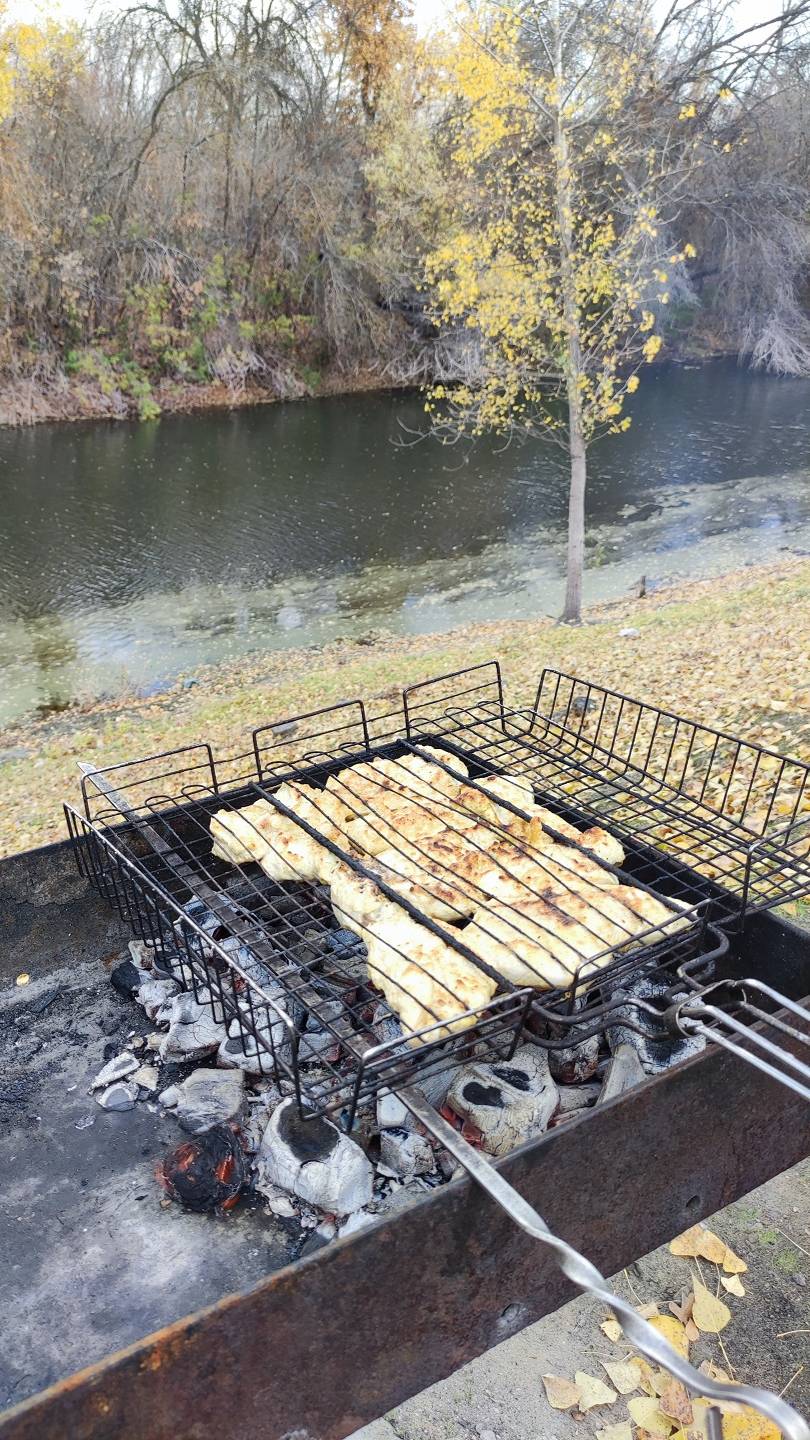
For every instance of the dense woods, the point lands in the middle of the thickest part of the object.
(234, 196)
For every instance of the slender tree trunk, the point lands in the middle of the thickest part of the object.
(572, 612)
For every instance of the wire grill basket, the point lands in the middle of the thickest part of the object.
(269, 957)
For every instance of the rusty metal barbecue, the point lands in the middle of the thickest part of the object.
(700, 815)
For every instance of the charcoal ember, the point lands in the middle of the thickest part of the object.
(315, 1161)
(574, 1062)
(193, 1032)
(503, 1104)
(127, 977)
(118, 1068)
(261, 1039)
(624, 1072)
(393, 1114)
(205, 920)
(319, 1039)
(658, 1048)
(251, 966)
(154, 995)
(406, 1153)
(210, 1097)
(169, 965)
(207, 1172)
(577, 1097)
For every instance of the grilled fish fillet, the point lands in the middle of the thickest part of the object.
(424, 980)
(520, 792)
(240, 836)
(541, 946)
(261, 833)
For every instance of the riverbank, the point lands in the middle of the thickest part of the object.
(57, 397)
(63, 398)
(731, 651)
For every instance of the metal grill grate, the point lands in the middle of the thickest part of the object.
(269, 958)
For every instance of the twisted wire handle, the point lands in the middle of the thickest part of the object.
(586, 1276)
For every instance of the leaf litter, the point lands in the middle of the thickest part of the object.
(666, 1411)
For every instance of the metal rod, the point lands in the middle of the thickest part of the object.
(586, 1276)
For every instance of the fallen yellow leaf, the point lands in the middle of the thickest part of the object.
(622, 1431)
(23, 978)
(715, 1372)
(733, 1284)
(561, 1394)
(673, 1331)
(732, 1264)
(624, 1374)
(709, 1314)
(593, 1391)
(697, 1240)
(612, 1329)
(675, 1403)
(749, 1426)
(645, 1412)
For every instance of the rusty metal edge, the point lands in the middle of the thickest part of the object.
(328, 1344)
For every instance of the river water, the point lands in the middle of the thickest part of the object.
(131, 553)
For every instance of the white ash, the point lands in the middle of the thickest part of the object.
(316, 1161)
(147, 1077)
(116, 1069)
(406, 1153)
(507, 1101)
(155, 994)
(210, 1097)
(256, 1054)
(143, 953)
(119, 1096)
(577, 1097)
(624, 1072)
(193, 1032)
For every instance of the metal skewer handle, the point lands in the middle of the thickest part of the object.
(588, 1278)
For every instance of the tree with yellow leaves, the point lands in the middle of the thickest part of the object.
(557, 261)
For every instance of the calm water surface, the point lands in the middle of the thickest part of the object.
(132, 553)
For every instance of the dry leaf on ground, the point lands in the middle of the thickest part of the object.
(673, 1331)
(624, 1374)
(675, 1403)
(733, 1284)
(697, 1240)
(749, 1426)
(732, 1264)
(561, 1394)
(593, 1391)
(613, 1330)
(715, 1372)
(690, 1330)
(646, 1413)
(682, 1312)
(646, 1311)
(622, 1431)
(709, 1314)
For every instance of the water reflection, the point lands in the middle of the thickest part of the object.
(131, 552)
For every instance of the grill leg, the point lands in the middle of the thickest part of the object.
(588, 1278)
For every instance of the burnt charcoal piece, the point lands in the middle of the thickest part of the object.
(207, 1173)
(658, 1048)
(127, 978)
